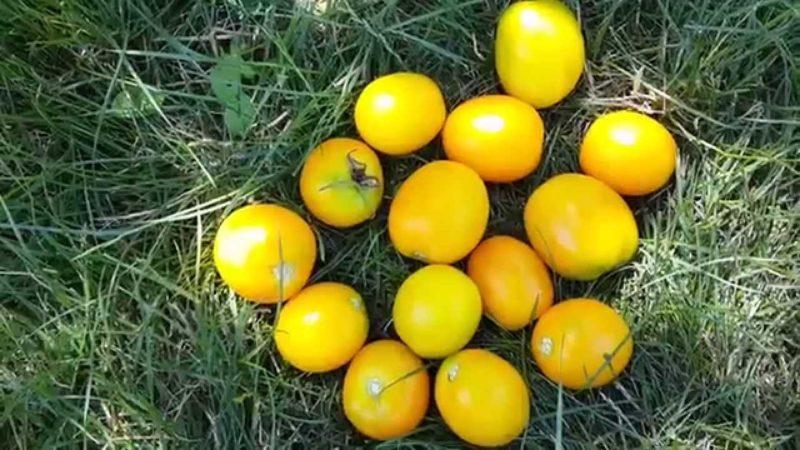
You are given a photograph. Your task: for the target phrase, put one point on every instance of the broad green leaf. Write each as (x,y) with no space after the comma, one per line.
(226,83)
(247,71)
(133,100)
(240,116)
(226,77)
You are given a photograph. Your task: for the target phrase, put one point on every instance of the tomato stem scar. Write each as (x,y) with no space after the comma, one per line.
(358,172)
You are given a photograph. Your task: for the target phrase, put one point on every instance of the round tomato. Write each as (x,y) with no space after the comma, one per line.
(580,226)
(386,390)
(514,283)
(322,327)
(498,136)
(264,252)
(440,213)
(631,152)
(342,182)
(482,398)
(539,51)
(437,311)
(581,343)
(400,113)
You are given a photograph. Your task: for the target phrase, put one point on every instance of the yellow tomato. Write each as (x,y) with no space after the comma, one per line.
(539,51)
(631,152)
(440,213)
(514,283)
(342,182)
(482,398)
(437,311)
(400,113)
(322,327)
(581,343)
(386,390)
(580,226)
(498,136)
(265,253)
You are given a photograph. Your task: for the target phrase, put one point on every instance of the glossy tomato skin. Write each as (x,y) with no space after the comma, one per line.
(322,327)
(386,390)
(539,51)
(265,252)
(482,398)
(400,113)
(437,311)
(580,227)
(514,283)
(629,151)
(439,213)
(342,182)
(571,341)
(498,136)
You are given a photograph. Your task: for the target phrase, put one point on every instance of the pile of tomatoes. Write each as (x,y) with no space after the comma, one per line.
(578,226)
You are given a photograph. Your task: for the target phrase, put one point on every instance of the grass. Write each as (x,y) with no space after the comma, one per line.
(115,330)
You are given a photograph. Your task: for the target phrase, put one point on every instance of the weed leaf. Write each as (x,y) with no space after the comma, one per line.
(133,100)
(226,84)
(240,116)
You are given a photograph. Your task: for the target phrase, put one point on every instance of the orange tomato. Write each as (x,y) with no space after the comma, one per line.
(437,311)
(580,226)
(498,136)
(581,343)
(440,213)
(342,182)
(264,252)
(322,328)
(514,283)
(386,390)
(482,398)
(629,151)
(400,113)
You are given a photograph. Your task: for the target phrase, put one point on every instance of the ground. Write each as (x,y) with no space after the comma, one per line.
(115,329)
